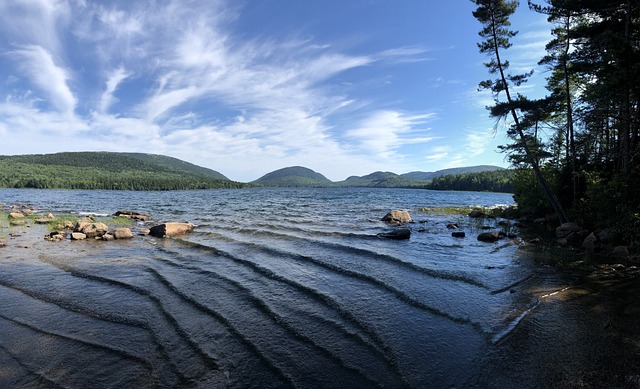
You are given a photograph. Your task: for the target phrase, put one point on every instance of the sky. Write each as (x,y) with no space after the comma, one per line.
(246,87)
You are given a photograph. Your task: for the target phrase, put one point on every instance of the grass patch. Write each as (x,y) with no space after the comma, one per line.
(447,210)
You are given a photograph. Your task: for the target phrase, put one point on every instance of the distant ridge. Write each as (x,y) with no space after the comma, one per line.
(428,176)
(298,176)
(294,176)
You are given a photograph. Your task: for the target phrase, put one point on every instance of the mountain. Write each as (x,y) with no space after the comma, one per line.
(381,180)
(293,176)
(114,162)
(428,176)
(107,170)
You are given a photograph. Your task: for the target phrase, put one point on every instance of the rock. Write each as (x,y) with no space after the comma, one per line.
(577,238)
(27,211)
(567,229)
(591,242)
(509,212)
(108,237)
(122,233)
(540,220)
(476,213)
(133,215)
(397,217)
(56,236)
(170,229)
(17,222)
(397,234)
(458,234)
(78,236)
(16,215)
(504,223)
(605,235)
(621,252)
(452,226)
(91,230)
(45,219)
(489,237)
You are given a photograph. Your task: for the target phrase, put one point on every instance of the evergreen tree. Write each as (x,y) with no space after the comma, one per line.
(494,17)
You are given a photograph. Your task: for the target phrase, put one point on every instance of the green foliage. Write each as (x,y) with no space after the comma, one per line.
(488,181)
(112,171)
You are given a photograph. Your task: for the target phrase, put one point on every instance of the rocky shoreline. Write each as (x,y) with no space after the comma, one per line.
(89,226)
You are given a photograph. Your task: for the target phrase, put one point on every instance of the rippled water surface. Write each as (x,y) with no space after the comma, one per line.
(274,288)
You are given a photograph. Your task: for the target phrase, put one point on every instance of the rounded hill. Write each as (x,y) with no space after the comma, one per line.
(292,177)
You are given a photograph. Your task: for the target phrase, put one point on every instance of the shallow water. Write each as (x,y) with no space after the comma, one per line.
(274,288)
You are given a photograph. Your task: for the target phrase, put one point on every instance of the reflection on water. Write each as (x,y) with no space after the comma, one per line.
(274,288)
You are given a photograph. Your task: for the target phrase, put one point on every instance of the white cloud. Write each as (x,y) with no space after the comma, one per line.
(383,132)
(38,64)
(114,79)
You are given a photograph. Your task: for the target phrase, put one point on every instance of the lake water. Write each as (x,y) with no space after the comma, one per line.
(274,288)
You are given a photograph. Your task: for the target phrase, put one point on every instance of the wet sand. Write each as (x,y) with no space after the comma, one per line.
(585,336)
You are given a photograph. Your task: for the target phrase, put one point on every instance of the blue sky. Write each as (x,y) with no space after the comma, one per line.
(246,87)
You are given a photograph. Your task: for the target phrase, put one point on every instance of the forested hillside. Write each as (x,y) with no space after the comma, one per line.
(489,181)
(103,170)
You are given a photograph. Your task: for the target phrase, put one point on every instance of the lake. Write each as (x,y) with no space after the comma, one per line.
(274,288)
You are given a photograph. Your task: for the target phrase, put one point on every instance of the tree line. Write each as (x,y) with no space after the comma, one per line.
(575,150)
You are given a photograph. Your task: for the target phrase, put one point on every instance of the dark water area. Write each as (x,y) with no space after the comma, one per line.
(275,288)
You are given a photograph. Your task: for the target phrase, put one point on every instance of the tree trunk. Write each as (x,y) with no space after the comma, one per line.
(548,191)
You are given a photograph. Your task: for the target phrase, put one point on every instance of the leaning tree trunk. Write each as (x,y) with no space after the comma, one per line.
(548,191)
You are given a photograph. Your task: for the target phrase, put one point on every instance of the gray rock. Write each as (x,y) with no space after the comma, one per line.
(397,234)
(458,234)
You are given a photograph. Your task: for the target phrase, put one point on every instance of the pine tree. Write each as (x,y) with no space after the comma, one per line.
(494,16)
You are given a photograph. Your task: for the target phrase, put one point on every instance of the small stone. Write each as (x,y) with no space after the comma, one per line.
(16,215)
(458,234)
(78,236)
(108,237)
(452,226)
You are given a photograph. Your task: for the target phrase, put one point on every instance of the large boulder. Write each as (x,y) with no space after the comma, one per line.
(170,229)
(397,217)
(91,229)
